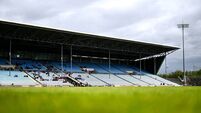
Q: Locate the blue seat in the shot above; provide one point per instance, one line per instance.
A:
(29, 64)
(2, 61)
(112, 68)
(16, 78)
(94, 66)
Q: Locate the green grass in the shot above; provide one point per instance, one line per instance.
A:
(100, 100)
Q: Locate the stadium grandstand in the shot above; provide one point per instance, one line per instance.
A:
(38, 56)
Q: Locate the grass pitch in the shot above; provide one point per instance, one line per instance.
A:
(100, 100)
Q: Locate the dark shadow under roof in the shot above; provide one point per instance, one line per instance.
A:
(11, 30)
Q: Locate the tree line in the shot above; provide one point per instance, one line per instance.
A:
(179, 73)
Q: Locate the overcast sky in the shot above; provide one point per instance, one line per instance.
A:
(142, 20)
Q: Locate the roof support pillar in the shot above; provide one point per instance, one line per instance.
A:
(109, 63)
(140, 65)
(165, 63)
(10, 55)
(62, 68)
(154, 65)
(71, 58)
(144, 65)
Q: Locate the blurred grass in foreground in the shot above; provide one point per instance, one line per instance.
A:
(100, 100)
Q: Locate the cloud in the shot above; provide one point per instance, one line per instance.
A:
(143, 20)
(32, 10)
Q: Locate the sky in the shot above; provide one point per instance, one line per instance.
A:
(153, 21)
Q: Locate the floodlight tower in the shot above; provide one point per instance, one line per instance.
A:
(183, 26)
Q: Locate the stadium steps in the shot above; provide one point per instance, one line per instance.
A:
(157, 80)
(33, 78)
(97, 68)
(46, 65)
(152, 77)
(113, 80)
(89, 80)
(115, 70)
(101, 80)
(142, 80)
(101, 67)
(55, 67)
(71, 80)
(126, 80)
(163, 80)
(108, 70)
(74, 81)
(143, 72)
(132, 79)
(120, 69)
